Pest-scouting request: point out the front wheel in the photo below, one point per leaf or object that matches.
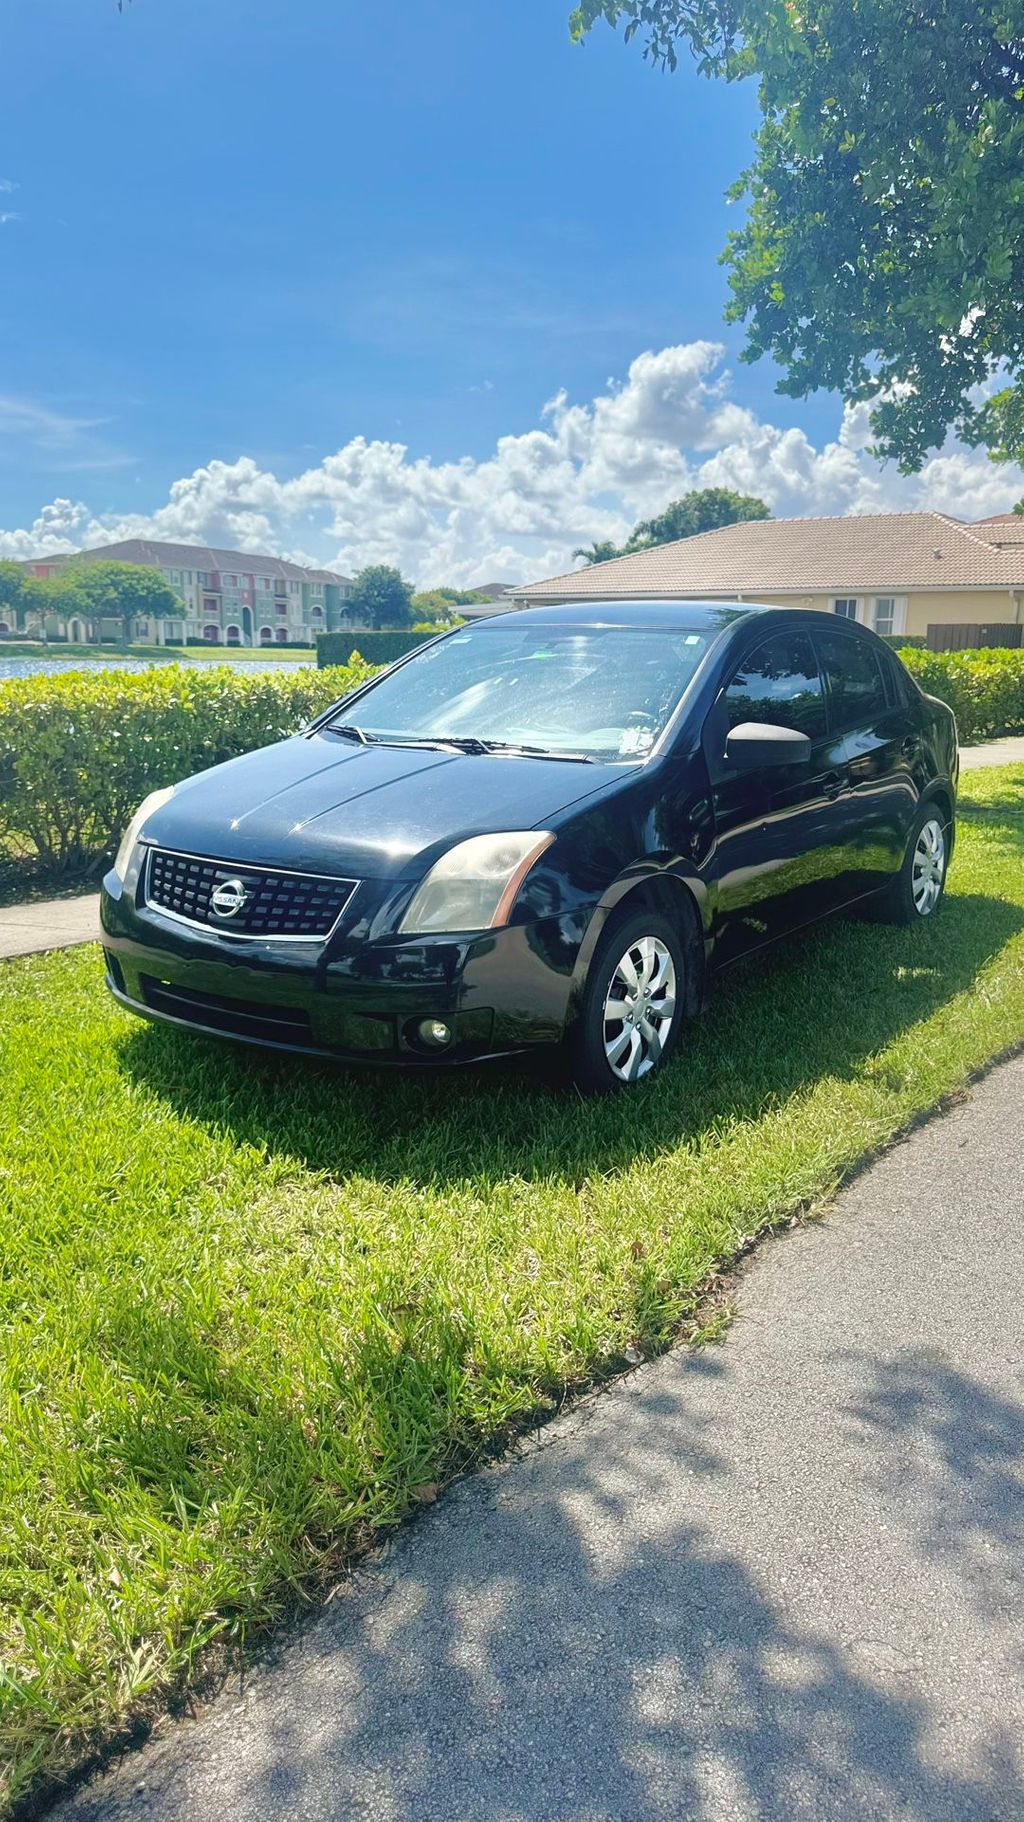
(916, 892)
(632, 1006)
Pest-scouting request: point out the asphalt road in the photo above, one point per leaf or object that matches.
(778, 1579)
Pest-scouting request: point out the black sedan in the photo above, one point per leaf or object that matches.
(545, 829)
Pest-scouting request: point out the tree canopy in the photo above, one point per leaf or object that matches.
(438, 604)
(19, 590)
(705, 509)
(883, 250)
(123, 591)
(380, 596)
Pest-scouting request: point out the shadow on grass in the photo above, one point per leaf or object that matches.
(575, 1639)
(822, 1005)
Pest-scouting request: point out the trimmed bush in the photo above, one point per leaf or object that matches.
(375, 648)
(984, 688)
(78, 752)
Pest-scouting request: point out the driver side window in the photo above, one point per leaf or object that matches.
(780, 684)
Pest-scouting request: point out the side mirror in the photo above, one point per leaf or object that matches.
(755, 745)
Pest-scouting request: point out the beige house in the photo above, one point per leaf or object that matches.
(899, 572)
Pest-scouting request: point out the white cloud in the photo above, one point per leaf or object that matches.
(584, 471)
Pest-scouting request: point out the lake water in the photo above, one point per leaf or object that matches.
(36, 666)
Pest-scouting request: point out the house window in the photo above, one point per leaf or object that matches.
(885, 614)
(266, 634)
(293, 588)
(282, 635)
(317, 613)
(211, 610)
(280, 609)
(142, 627)
(845, 606)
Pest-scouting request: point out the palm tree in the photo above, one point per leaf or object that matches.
(598, 553)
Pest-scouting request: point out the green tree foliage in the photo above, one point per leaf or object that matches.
(21, 594)
(122, 591)
(439, 604)
(601, 552)
(883, 249)
(705, 509)
(380, 596)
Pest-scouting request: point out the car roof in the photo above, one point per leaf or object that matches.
(712, 617)
(688, 615)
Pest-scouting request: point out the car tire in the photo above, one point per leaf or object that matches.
(640, 964)
(917, 890)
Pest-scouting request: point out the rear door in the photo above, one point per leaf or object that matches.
(880, 739)
(779, 852)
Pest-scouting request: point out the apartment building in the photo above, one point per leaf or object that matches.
(228, 597)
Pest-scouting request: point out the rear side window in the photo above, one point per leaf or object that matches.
(854, 677)
(779, 683)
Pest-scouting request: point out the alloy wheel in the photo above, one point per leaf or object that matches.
(639, 1008)
(929, 867)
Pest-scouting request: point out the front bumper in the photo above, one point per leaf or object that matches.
(499, 991)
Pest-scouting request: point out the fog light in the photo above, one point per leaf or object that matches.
(435, 1033)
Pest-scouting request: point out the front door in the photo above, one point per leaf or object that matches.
(880, 746)
(778, 832)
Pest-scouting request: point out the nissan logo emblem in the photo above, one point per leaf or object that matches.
(229, 898)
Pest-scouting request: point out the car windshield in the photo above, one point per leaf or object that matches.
(593, 692)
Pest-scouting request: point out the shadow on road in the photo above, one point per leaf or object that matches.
(559, 1647)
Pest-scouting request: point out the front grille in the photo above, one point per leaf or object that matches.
(239, 1018)
(253, 901)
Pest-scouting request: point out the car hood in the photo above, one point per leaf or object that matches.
(368, 812)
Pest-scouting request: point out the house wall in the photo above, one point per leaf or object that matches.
(916, 611)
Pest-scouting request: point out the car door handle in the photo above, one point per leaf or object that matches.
(832, 784)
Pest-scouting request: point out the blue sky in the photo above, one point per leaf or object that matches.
(245, 230)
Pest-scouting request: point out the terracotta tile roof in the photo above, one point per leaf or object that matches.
(884, 552)
(1004, 532)
(200, 556)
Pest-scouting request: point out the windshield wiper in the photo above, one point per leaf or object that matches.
(351, 732)
(517, 750)
(459, 743)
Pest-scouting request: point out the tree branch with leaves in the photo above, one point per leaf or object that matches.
(882, 253)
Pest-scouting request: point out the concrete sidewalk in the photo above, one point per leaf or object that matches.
(1008, 751)
(53, 923)
(780, 1580)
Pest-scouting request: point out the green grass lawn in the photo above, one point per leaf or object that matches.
(250, 1305)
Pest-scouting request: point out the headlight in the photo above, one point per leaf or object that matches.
(155, 801)
(473, 886)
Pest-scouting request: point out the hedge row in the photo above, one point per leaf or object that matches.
(376, 648)
(985, 689)
(79, 751)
